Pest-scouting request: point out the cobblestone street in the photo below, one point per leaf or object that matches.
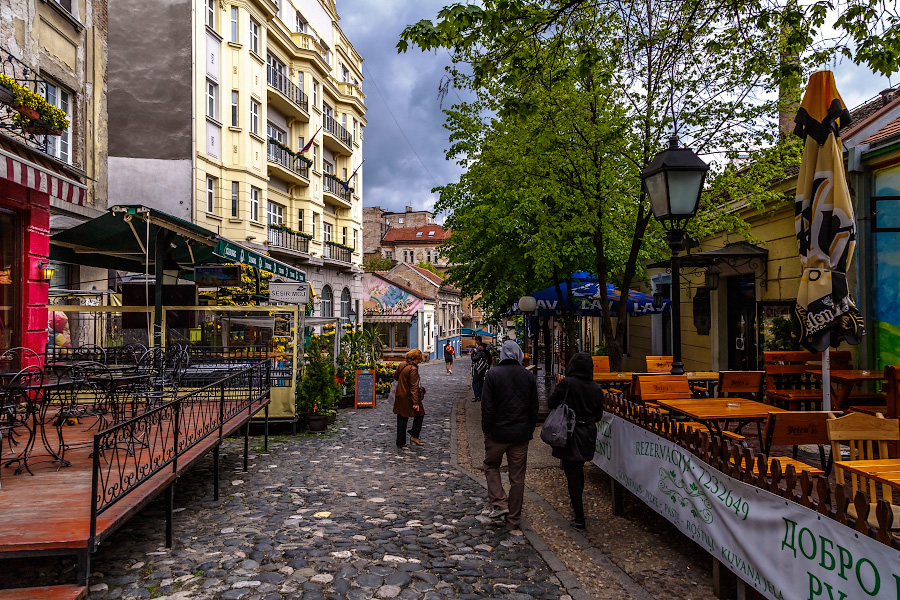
(348, 515)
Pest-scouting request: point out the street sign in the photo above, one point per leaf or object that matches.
(289, 293)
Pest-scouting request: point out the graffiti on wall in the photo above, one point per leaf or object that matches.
(383, 298)
(887, 269)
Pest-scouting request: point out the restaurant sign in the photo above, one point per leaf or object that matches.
(239, 254)
(782, 549)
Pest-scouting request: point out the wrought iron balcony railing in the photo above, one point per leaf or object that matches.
(288, 240)
(335, 252)
(337, 130)
(27, 77)
(280, 156)
(336, 188)
(283, 84)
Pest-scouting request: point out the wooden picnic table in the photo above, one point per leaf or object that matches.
(886, 470)
(710, 411)
(844, 381)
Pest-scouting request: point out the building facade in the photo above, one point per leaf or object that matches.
(51, 177)
(249, 86)
(410, 236)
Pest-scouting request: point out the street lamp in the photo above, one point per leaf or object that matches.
(674, 181)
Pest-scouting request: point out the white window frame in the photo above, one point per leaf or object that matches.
(254, 204)
(327, 167)
(315, 94)
(235, 194)
(60, 146)
(235, 110)
(315, 164)
(212, 99)
(274, 132)
(344, 236)
(326, 232)
(254, 36)
(301, 23)
(300, 219)
(274, 213)
(354, 239)
(315, 219)
(326, 304)
(211, 195)
(234, 25)
(254, 117)
(211, 14)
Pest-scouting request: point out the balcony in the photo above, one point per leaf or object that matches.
(287, 165)
(335, 192)
(289, 97)
(334, 251)
(336, 138)
(290, 241)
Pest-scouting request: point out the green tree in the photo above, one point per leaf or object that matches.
(377, 263)
(428, 267)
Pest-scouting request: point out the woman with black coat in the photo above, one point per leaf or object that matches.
(579, 391)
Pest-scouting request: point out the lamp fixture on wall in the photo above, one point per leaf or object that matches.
(658, 300)
(712, 280)
(47, 270)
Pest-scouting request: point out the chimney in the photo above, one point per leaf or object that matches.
(887, 96)
(409, 209)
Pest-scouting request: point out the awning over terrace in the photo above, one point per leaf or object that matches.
(126, 239)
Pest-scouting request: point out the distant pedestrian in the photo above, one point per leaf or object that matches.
(509, 410)
(579, 391)
(408, 399)
(481, 362)
(449, 352)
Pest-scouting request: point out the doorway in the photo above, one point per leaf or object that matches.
(740, 305)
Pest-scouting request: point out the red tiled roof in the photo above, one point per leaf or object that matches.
(408, 234)
(890, 130)
(870, 109)
(432, 277)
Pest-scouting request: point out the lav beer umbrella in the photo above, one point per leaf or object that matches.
(824, 313)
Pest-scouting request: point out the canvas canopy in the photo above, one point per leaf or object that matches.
(586, 296)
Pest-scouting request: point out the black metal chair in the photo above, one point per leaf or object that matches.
(18, 358)
(19, 409)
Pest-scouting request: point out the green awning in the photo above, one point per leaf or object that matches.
(125, 239)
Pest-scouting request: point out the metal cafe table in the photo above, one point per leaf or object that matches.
(36, 397)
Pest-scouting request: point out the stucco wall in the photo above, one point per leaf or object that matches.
(161, 184)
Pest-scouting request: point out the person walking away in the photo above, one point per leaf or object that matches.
(584, 396)
(448, 357)
(509, 411)
(481, 362)
(408, 399)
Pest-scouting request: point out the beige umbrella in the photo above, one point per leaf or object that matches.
(824, 314)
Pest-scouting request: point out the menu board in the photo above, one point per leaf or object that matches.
(365, 389)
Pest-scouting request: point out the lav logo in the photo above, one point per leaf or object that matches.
(242, 257)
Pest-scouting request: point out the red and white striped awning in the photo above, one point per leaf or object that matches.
(47, 179)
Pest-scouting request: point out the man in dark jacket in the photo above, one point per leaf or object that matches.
(481, 362)
(509, 411)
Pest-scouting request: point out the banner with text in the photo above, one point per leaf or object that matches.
(782, 549)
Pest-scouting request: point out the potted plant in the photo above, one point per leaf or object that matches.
(318, 391)
(35, 114)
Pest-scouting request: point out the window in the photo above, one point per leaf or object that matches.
(300, 80)
(345, 174)
(401, 335)
(354, 239)
(211, 14)
(355, 188)
(274, 132)
(315, 164)
(344, 121)
(400, 220)
(300, 220)
(428, 255)
(354, 128)
(66, 4)
(315, 94)
(254, 117)
(234, 108)
(345, 304)
(315, 221)
(431, 233)
(60, 146)
(234, 24)
(344, 236)
(405, 256)
(327, 166)
(275, 214)
(345, 74)
(327, 110)
(235, 188)
(211, 195)
(254, 204)
(418, 234)
(212, 100)
(326, 228)
(326, 306)
(326, 51)
(301, 23)
(388, 254)
(254, 36)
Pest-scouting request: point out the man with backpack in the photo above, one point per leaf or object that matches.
(481, 362)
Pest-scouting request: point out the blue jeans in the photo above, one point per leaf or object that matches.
(477, 383)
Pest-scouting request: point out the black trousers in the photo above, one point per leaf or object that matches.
(403, 423)
(574, 471)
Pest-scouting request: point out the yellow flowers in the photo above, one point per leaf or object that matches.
(54, 116)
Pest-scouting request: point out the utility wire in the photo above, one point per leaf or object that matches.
(377, 89)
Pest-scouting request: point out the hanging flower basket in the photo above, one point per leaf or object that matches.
(7, 97)
(39, 127)
(28, 112)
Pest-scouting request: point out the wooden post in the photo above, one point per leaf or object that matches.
(216, 473)
(618, 498)
(724, 582)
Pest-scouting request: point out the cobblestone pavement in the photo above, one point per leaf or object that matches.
(342, 515)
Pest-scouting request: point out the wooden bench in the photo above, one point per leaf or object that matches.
(795, 429)
(789, 385)
(659, 364)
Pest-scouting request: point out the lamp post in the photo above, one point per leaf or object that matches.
(674, 180)
(527, 306)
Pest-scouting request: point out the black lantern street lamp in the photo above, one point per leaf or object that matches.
(674, 181)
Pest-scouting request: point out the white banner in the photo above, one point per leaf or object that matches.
(289, 293)
(782, 549)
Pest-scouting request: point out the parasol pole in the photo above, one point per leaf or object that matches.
(826, 379)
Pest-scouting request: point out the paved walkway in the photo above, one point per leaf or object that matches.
(348, 515)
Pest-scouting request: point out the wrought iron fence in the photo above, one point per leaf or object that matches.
(336, 188)
(129, 454)
(280, 156)
(288, 88)
(336, 252)
(337, 130)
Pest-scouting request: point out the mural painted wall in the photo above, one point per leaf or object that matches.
(886, 320)
(381, 297)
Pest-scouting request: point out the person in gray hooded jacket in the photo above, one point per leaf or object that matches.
(509, 409)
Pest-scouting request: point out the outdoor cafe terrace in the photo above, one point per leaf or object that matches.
(90, 437)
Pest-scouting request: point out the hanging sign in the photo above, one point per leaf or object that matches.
(365, 389)
(289, 293)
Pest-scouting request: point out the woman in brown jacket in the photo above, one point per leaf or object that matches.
(408, 398)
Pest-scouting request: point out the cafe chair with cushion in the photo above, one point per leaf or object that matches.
(867, 438)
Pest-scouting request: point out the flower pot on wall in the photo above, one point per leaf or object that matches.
(7, 97)
(39, 127)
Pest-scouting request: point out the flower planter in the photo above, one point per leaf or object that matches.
(346, 401)
(7, 97)
(332, 419)
(39, 127)
(28, 112)
(316, 423)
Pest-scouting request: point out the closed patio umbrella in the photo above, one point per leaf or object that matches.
(824, 313)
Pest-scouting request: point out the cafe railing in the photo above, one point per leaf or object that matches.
(128, 455)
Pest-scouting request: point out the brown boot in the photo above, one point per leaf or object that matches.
(416, 441)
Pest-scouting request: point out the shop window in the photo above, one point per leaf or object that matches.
(327, 303)
(393, 336)
(345, 305)
(10, 278)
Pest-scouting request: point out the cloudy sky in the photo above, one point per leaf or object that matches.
(405, 140)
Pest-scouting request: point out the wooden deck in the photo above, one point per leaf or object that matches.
(50, 513)
(47, 592)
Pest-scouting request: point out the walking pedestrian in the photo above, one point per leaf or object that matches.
(509, 410)
(481, 362)
(448, 357)
(408, 399)
(583, 395)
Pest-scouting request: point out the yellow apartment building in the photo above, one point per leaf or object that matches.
(213, 102)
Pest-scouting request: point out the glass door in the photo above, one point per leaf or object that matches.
(741, 329)
(10, 278)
